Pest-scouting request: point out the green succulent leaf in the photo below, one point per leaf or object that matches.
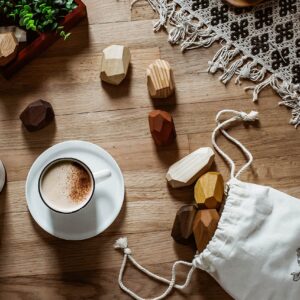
(38, 15)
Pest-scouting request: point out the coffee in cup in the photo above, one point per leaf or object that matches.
(67, 185)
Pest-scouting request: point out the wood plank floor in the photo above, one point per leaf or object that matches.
(34, 265)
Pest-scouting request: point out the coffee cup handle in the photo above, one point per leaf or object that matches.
(102, 175)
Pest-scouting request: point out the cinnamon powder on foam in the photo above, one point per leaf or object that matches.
(80, 183)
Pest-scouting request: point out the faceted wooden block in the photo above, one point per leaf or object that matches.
(20, 34)
(115, 63)
(8, 48)
(2, 176)
(209, 190)
(185, 171)
(204, 227)
(162, 127)
(182, 231)
(37, 115)
(160, 79)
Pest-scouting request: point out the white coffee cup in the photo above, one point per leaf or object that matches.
(66, 185)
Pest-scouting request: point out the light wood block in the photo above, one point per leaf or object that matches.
(20, 34)
(160, 80)
(115, 63)
(187, 170)
(8, 48)
(209, 190)
(205, 225)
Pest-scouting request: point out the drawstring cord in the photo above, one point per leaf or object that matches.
(251, 117)
(122, 243)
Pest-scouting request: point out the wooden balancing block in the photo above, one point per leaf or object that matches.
(160, 80)
(162, 127)
(204, 227)
(185, 171)
(182, 231)
(209, 190)
(244, 3)
(8, 48)
(115, 63)
(37, 115)
(20, 34)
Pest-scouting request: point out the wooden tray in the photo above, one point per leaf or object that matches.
(43, 41)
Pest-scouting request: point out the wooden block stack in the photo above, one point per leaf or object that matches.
(197, 222)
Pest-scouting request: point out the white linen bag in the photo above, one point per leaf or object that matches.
(255, 251)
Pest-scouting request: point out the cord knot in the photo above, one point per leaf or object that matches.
(122, 243)
(250, 117)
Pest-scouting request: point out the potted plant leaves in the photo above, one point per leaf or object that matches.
(45, 21)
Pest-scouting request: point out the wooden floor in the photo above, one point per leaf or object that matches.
(34, 265)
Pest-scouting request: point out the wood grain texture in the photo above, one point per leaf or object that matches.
(34, 265)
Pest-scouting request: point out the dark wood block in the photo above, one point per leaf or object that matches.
(182, 231)
(162, 127)
(37, 115)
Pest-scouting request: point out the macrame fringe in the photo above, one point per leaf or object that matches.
(191, 34)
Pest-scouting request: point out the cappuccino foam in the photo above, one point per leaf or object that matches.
(66, 186)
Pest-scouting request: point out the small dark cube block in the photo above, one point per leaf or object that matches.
(37, 115)
(182, 231)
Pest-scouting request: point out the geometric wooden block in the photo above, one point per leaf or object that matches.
(115, 63)
(209, 190)
(162, 127)
(8, 48)
(20, 34)
(37, 115)
(2, 176)
(182, 231)
(160, 80)
(244, 3)
(185, 171)
(204, 227)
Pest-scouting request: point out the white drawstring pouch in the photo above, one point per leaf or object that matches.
(255, 251)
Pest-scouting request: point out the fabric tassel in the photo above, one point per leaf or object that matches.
(251, 72)
(228, 74)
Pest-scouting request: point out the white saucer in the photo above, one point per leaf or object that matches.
(102, 209)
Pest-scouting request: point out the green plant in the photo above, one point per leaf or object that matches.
(38, 15)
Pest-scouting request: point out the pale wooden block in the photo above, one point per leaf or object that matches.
(160, 80)
(8, 48)
(187, 170)
(115, 63)
(21, 34)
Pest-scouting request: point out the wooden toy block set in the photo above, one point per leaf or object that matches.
(197, 222)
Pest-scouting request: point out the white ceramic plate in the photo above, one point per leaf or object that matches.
(102, 209)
